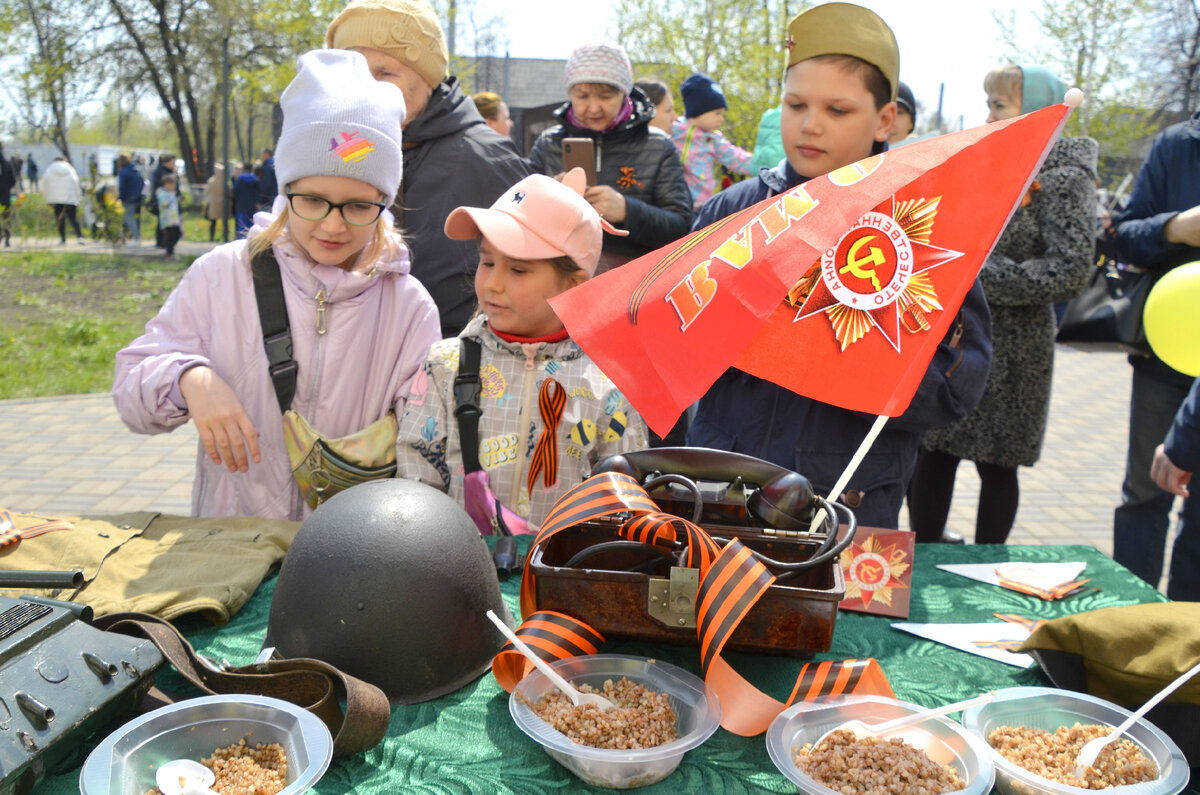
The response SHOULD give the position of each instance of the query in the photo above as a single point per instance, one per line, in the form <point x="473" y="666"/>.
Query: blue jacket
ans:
<point x="1182" y="445"/>
<point x="749" y="415"/>
<point x="245" y="193"/>
<point x="130" y="184"/>
<point x="267" y="186"/>
<point x="1168" y="183"/>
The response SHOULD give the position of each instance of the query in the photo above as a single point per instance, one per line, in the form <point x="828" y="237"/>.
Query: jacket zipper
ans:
<point x="321" y="298"/>
<point x="530" y="350"/>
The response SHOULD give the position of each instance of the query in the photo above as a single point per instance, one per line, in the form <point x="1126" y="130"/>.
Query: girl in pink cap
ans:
<point x="531" y="413"/>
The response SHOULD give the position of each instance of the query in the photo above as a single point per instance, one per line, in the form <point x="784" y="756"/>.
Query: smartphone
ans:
<point x="580" y="153"/>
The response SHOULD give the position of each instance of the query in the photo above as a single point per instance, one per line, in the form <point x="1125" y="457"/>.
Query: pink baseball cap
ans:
<point x="538" y="218"/>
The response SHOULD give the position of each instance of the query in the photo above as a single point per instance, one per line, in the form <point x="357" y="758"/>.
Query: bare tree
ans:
<point x="739" y="47"/>
<point x="1097" y="46"/>
<point x="58" y="61"/>
<point x="1174" y="54"/>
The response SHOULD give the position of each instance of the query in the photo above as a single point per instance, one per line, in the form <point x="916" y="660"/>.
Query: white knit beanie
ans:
<point x="340" y="121"/>
<point x="602" y="62"/>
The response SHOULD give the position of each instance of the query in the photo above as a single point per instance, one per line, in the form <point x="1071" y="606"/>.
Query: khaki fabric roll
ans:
<point x="1128" y="653"/>
<point x="148" y="562"/>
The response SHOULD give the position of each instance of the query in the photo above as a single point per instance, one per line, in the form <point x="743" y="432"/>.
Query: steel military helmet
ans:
<point x="390" y="581"/>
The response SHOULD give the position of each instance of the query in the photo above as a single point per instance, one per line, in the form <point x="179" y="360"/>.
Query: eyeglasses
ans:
<point x="315" y="208"/>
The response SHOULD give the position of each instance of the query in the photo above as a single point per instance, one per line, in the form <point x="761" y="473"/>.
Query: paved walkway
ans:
<point x="144" y="249"/>
<point x="72" y="455"/>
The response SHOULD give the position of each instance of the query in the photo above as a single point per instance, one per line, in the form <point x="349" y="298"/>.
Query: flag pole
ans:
<point x="848" y="473"/>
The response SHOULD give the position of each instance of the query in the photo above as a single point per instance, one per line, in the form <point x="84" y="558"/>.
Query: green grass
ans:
<point x="63" y="317"/>
<point x="32" y="217"/>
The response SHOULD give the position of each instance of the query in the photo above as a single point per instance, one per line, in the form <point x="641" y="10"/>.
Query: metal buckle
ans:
<point x="213" y="665"/>
<point x="673" y="602"/>
<point x="265" y="656"/>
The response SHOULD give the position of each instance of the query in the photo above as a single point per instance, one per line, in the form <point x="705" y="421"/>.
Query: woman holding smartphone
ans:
<point x="639" y="185"/>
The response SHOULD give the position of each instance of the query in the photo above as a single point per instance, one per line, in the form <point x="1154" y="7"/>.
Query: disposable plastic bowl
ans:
<point x="1048" y="708"/>
<point x="695" y="704"/>
<point x="125" y="762"/>
<point x="942" y="740"/>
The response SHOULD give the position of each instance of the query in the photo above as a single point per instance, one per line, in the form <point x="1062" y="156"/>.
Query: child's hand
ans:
<point x="225" y="430"/>
<point x="607" y="202"/>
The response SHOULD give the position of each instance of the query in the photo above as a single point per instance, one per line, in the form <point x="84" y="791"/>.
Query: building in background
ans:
<point x="533" y="88"/>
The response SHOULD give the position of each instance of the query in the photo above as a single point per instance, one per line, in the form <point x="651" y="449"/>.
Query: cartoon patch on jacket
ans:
<point x="435" y="453"/>
<point x="581" y="434"/>
<point x="491" y="382"/>
<point x="498" y="450"/>
<point x="616" y="426"/>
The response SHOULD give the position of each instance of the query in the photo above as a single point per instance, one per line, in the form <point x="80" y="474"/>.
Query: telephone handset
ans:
<point x="780" y="498"/>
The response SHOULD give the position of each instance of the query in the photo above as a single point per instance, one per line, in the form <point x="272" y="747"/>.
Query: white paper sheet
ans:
<point x="965" y="637"/>
<point x="1039" y="575"/>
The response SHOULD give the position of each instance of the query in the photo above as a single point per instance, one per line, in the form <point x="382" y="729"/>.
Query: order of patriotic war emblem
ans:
<point x="871" y="265"/>
<point x="876" y="277"/>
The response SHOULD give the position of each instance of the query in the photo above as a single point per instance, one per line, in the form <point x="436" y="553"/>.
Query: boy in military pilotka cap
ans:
<point x="839" y="105"/>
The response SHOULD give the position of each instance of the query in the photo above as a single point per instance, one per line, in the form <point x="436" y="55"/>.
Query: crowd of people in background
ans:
<point x="638" y="175"/>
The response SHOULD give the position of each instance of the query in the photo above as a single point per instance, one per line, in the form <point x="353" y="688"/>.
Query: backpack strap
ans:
<point x="277" y="336"/>
<point x="466" y="402"/>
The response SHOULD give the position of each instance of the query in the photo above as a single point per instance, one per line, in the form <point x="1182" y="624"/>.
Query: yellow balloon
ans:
<point x="1172" y="318"/>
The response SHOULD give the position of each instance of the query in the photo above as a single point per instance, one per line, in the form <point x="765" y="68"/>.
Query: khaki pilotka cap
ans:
<point x="845" y="29"/>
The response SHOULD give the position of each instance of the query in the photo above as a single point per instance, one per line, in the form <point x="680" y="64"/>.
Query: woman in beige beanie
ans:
<point x="451" y="156"/>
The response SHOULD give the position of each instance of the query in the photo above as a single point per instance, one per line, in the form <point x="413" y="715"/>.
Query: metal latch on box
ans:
<point x="673" y="602"/>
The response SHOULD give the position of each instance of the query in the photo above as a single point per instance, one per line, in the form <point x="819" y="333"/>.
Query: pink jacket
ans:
<point x="378" y="328"/>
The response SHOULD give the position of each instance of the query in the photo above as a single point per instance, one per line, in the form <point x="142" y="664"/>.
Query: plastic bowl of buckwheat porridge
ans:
<point x="936" y="755"/>
<point x="662" y="712"/>
<point x="1033" y="738"/>
<point x="257" y="743"/>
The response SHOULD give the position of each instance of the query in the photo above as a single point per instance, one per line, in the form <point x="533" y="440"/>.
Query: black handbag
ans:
<point x="1107" y="315"/>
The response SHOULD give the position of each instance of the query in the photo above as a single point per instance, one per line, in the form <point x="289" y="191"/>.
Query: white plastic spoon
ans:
<point x="185" y="777"/>
<point x="1091" y="749"/>
<point x="864" y="730"/>
<point x="577" y="698"/>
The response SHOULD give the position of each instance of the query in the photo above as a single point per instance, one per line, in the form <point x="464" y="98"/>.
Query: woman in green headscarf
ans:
<point x="1045" y="255"/>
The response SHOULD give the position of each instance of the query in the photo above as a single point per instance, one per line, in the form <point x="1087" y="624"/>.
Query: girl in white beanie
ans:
<point x="346" y="326"/>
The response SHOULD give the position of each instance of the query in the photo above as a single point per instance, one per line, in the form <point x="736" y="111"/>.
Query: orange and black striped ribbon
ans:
<point x="833" y="678"/>
<point x="552" y="636"/>
<point x="10" y="535"/>
<point x="552" y="399"/>
<point x="1048" y="594"/>
<point x="663" y="529"/>
<point x="732" y="580"/>
<point x="1030" y="624"/>
<point x="598" y="496"/>
<point x="727" y="592"/>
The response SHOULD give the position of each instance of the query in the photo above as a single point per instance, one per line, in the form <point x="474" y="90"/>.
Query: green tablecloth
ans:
<point x="467" y="743"/>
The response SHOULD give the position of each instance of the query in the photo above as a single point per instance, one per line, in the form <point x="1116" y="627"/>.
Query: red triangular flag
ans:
<point x="839" y="289"/>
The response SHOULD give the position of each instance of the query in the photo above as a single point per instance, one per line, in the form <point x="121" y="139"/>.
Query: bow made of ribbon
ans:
<point x="552" y="399"/>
